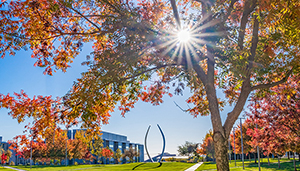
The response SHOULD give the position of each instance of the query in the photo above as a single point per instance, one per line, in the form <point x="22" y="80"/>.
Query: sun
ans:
<point x="184" y="36"/>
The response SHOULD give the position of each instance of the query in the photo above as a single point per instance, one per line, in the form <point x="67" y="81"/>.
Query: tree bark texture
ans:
<point x="221" y="152"/>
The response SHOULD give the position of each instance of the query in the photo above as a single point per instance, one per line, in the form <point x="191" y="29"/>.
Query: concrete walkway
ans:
<point x="13" y="168"/>
<point x="194" y="167"/>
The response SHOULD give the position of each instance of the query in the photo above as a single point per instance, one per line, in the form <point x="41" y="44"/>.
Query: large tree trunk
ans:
<point x="221" y="153"/>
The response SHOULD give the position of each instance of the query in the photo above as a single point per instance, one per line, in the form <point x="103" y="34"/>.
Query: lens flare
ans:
<point x="184" y="36"/>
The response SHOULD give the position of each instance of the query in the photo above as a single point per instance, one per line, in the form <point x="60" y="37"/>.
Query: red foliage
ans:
<point x="106" y="152"/>
<point x="3" y="158"/>
<point x="277" y="116"/>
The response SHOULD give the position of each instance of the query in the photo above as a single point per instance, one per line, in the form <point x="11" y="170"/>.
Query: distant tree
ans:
<point x="107" y="153"/>
<point x="3" y="158"/>
<point x="96" y="147"/>
<point x="247" y="144"/>
<point x="56" y="144"/>
<point x="277" y="115"/>
<point x="117" y="155"/>
<point x="188" y="149"/>
<point x="130" y="153"/>
<point x="207" y="147"/>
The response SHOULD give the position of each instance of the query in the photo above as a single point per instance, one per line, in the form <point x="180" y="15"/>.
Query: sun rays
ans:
<point x="188" y="43"/>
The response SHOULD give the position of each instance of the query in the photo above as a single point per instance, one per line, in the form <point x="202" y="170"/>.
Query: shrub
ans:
<point x="75" y="163"/>
<point x="11" y="163"/>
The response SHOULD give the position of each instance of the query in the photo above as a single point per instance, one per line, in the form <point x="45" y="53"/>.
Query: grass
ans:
<point x="132" y="166"/>
<point x="285" y="165"/>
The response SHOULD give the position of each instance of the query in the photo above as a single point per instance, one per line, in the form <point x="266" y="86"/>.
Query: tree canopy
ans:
<point x="236" y="46"/>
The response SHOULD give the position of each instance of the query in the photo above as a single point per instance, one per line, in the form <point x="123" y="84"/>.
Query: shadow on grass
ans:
<point x="138" y="165"/>
<point x="160" y="164"/>
<point x="283" y="165"/>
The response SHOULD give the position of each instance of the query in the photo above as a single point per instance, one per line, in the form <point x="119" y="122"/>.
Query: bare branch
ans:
<point x="179" y="107"/>
<point x="264" y="86"/>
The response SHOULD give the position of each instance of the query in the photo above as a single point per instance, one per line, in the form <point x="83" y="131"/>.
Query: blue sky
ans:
<point x="18" y="73"/>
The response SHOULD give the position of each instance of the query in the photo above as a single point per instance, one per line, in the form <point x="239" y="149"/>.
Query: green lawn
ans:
<point x="132" y="166"/>
<point x="1" y="168"/>
<point x="285" y="165"/>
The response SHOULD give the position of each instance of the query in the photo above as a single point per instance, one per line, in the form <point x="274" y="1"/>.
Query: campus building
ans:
<point x="3" y="145"/>
<point x="114" y="142"/>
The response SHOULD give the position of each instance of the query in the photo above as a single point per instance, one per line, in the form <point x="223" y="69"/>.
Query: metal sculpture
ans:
<point x="164" y="143"/>
<point x="146" y="144"/>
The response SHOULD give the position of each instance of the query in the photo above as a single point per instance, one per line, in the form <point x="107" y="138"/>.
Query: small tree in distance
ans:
<point x="130" y="153"/>
<point x="117" y="155"/>
<point x="207" y="147"/>
<point x="247" y="144"/>
<point x="107" y="153"/>
<point x="188" y="149"/>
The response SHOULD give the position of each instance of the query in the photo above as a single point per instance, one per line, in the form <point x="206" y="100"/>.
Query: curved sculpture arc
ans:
<point x="164" y="143"/>
<point x="146" y="143"/>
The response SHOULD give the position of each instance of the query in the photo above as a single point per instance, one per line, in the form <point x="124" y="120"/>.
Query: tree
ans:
<point x="3" y="158"/>
<point x="117" y="155"/>
<point x="87" y="144"/>
<point x="188" y="149"/>
<point x="97" y="147"/>
<point x="236" y="46"/>
<point x="130" y="153"/>
<point x="247" y="145"/>
<point x="277" y="115"/>
<point x="107" y="153"/>
<point x="207" y="147"/>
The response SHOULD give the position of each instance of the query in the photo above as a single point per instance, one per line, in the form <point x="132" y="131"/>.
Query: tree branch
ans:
<point x="151" y="69"/>
<point x="90" y="16"/>
<point x="200" y="73"/>
<point x="79" y="13"/>
<point x="253" y="46"/>
<point x="264" y="86"/>
<point x="230" y="8"/>
<point x="175" y="12"/>
<point x="248" y="8"/>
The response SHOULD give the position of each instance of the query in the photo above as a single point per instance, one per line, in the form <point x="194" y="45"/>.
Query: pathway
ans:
<point x="13" y="168"/>
<point x="194" y="167"/>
